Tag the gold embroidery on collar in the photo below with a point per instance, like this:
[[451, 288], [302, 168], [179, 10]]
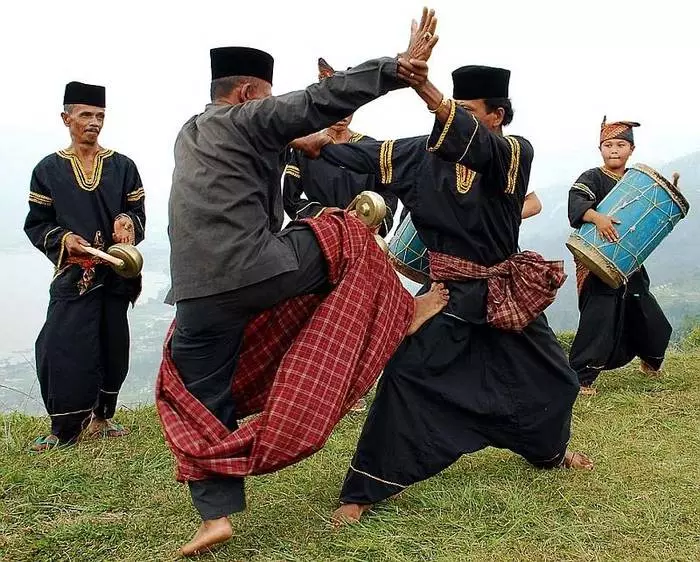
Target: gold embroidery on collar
[[610, 174], [465, 178], [356, 137], [86, 182]]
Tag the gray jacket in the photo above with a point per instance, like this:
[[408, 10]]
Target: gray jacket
[[225, 208]]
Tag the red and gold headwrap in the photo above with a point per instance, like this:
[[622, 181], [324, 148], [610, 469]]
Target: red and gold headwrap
[[617, 130]]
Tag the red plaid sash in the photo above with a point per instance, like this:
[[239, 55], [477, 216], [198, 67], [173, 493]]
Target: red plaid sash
[[303, 365], [519, 288]]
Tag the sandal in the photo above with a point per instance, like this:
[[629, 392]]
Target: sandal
[[44, 443], [110, 430]]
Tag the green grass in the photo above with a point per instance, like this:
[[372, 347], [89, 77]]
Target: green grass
[[117, 500]]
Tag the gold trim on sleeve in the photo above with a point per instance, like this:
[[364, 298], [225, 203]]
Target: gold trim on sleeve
[[445, 129], [293, 171], [386, 169], [514, 164]]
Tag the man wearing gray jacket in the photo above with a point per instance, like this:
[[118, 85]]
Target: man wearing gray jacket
[[229, 259]]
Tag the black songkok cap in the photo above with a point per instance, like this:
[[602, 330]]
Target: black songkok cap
[[241, 61], [86, 94], [480, 82]]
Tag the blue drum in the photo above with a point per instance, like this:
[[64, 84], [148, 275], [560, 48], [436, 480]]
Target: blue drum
[[648, 207], [408, 254]]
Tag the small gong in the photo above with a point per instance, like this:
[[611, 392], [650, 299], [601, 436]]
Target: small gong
[[131, 258], [370, 208]]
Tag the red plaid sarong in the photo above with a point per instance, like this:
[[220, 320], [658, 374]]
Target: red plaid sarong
[[303, 365], [519, 288]]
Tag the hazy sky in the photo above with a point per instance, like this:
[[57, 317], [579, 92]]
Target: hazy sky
[[571, 63]]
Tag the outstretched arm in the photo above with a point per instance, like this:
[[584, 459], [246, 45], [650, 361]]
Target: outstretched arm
[[290, 116]]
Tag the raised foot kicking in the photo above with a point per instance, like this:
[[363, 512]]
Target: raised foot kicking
[[428, 305]]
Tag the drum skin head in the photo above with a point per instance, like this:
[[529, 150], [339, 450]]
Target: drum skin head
[[595, 262]]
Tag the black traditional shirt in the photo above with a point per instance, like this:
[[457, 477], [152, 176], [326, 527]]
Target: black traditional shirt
[[588, 191], [64, 199], [463, 185], [310, 185]]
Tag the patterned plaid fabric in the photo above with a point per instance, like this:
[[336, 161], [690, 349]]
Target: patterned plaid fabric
[[617, 130], [519, 289], [303, 364], [582, 273]]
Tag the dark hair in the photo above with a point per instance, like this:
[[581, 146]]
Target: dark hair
[[492, 104], [222, 87]]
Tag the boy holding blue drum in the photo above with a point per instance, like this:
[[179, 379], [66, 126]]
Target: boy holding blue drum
[[615, 325]]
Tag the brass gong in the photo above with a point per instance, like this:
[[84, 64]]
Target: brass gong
[[124, 259], [370, 208]]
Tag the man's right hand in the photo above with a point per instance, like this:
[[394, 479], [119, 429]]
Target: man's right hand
[[606, 228], [75, 245]]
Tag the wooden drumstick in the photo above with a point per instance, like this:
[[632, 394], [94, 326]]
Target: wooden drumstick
[[104, 256], [676, 176]]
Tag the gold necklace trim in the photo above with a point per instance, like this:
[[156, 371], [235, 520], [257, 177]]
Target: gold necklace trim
[[85, 181]]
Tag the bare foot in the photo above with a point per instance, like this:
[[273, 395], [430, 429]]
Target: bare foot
[[428, 305], [587, 391], [648, 370], [573, 459], [210, 533], [348, 513]]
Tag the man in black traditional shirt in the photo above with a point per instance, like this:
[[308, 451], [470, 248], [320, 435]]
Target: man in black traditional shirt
[[312, 186], [81, 196], [487, 370]]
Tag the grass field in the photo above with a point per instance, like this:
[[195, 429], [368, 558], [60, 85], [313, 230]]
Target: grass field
[[118, 501]]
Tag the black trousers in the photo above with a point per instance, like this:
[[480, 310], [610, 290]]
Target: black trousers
[[617, 325], [206, 345], [456, 387], [82, 358]]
